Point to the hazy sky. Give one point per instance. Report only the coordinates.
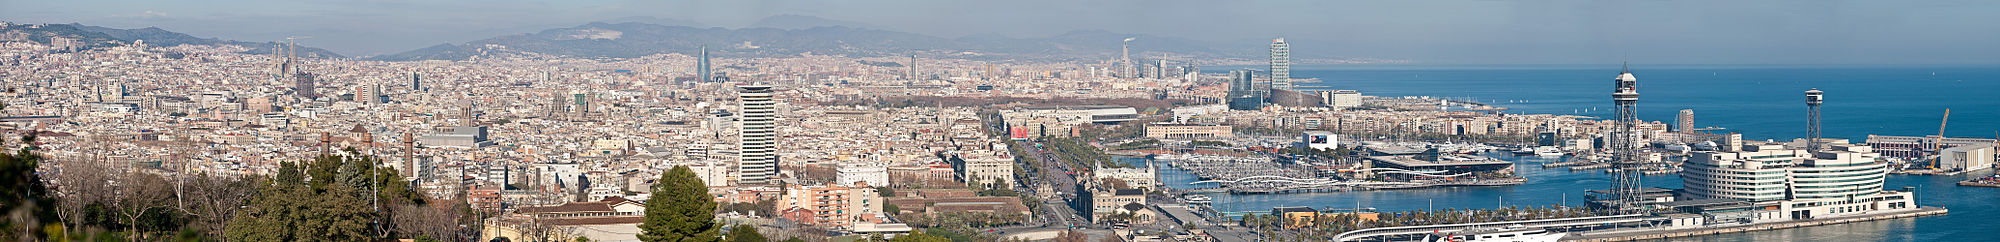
(1478, 32)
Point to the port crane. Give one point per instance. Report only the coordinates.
(1937, 159)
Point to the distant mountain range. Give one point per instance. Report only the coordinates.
(46, 33)
(161, 37)
(790, 35)
(632, 39)
(783, 35)
(96, 36)
(795, 22)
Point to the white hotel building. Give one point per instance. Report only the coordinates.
(1842, 179)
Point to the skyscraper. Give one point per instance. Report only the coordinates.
(1126, 71)
(416, 82)
(701, 66)
(757, 162)
(1243, 93)
(1281, 64)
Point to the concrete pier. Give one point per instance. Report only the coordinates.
(1689, 232)
(1978, 184)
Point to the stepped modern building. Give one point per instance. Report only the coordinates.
(1243, 93)
(1841, 179)
(1754, 182)
(757, 163)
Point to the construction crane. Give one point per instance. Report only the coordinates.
(1941, 123)
(1938, 159)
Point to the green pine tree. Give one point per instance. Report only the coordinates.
(24, 194)
(745, 233)
(342, 214)
(325, 199)
(680, 210)
(271, 216)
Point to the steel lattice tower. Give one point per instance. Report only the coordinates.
(1813, 99)
(1624, 152)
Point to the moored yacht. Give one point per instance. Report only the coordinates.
(1525, 151)
(1198, 199)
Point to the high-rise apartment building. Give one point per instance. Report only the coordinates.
(302, 84)
(368, 94)
(1684, 123)
(756, 162)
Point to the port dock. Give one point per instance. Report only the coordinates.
(1981, 182)
(1249, 175)
(1928, 172)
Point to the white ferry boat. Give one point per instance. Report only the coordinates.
(1548, 151)
(1512, 233)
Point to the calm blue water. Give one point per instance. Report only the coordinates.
(1762, 102)
(1545, 187)
(1972, 208)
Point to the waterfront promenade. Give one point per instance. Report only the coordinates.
(1413, 232)
(1628, 233)
(1649, 234)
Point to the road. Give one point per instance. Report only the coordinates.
(1054, 169)
(1060, 182)
(1055, 181)
(1060, 178)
